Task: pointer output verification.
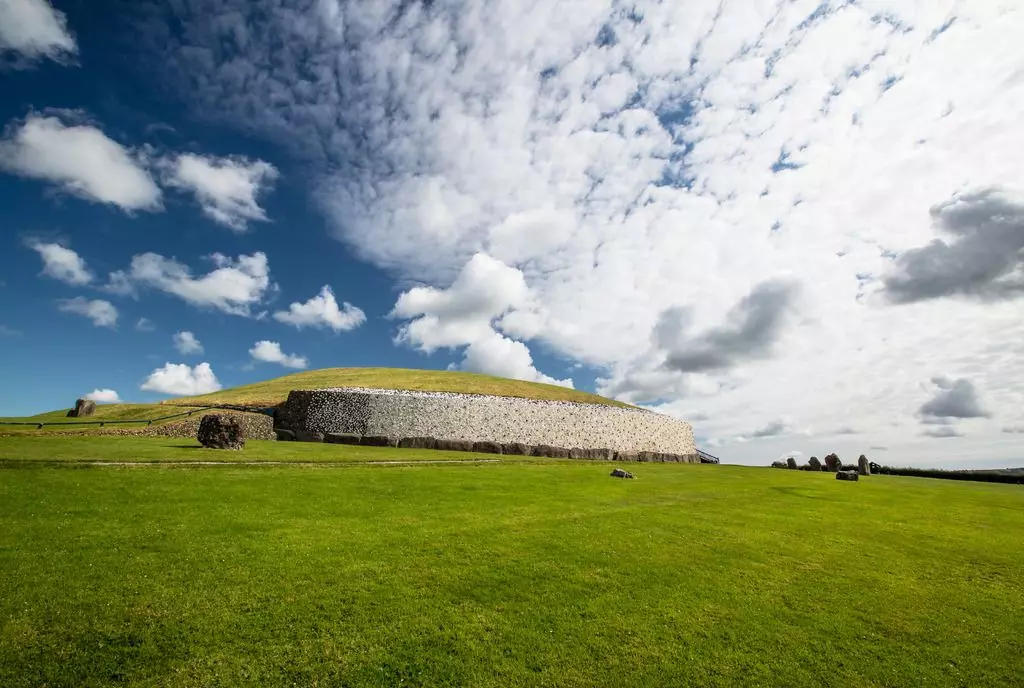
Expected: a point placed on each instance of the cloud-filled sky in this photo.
(797, 224)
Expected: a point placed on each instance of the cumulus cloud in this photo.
(771, 430)
(496, 354)
(226, 188)
(464, 315)
(942, 432)
(750, 330)
(270, 352)
(983, 259)
(179, 379)
(33, 29)
(61, 263)
(952, 399)
(629, 163)
(234, 286)
(145, 325)
(104, 396)
(80, 160)
(186, 343)
(102, 313)
(323, 311)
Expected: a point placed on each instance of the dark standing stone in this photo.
(516, 449)
(221, 431)
(791, 464)
(83, 408)
(832, 463)
(342, 438)
(483, 447)
(814, 463)
(375, 441)
(862, 465)
(847, 475)
(619, 473)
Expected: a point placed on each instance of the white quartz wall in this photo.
(475, 417)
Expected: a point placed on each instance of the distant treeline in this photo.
(979, 476)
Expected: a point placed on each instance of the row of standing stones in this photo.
(832, 465)
(509, 448)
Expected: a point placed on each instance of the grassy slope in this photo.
(51, 449)
(507, 575)
(272, 392)
(110, 414)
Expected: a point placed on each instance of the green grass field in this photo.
(272, 392)
(505, 574)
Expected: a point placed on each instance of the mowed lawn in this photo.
(507, 574)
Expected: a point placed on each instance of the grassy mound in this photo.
(273, 392)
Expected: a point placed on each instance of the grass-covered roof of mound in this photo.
(273, 392)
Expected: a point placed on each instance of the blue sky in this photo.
(777, 221)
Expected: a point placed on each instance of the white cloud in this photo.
(102, 313)
(34, 29)
(145, 325)
(464, 315)
(179, 379)
(226, 188)
(323, 311)
(186, 343)
(496, 354)
(761, 139)
(61, 263)
(104, 396)
(81, 160)
(270, 352)
(234, 286)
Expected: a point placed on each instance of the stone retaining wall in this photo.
(393, 415)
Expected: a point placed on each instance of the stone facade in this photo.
(469, 418)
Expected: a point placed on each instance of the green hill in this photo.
(273, 392)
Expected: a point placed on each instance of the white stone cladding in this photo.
(477, 417)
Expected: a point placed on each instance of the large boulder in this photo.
(832, 463)
(619, 473)
(342, 438)
(862, 465)
(417, 443)
(454, 445)
(83, 408)
(791, 464)
(814, 463)
(221, 431)
(847, 475)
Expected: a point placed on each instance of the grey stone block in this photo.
(516, 449)
(285, 435)
(455, 445)
(376, 441)
(418, 443)
(342, 438)
(308, 436)
(487, 447)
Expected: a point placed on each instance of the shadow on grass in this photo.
(799, 492)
